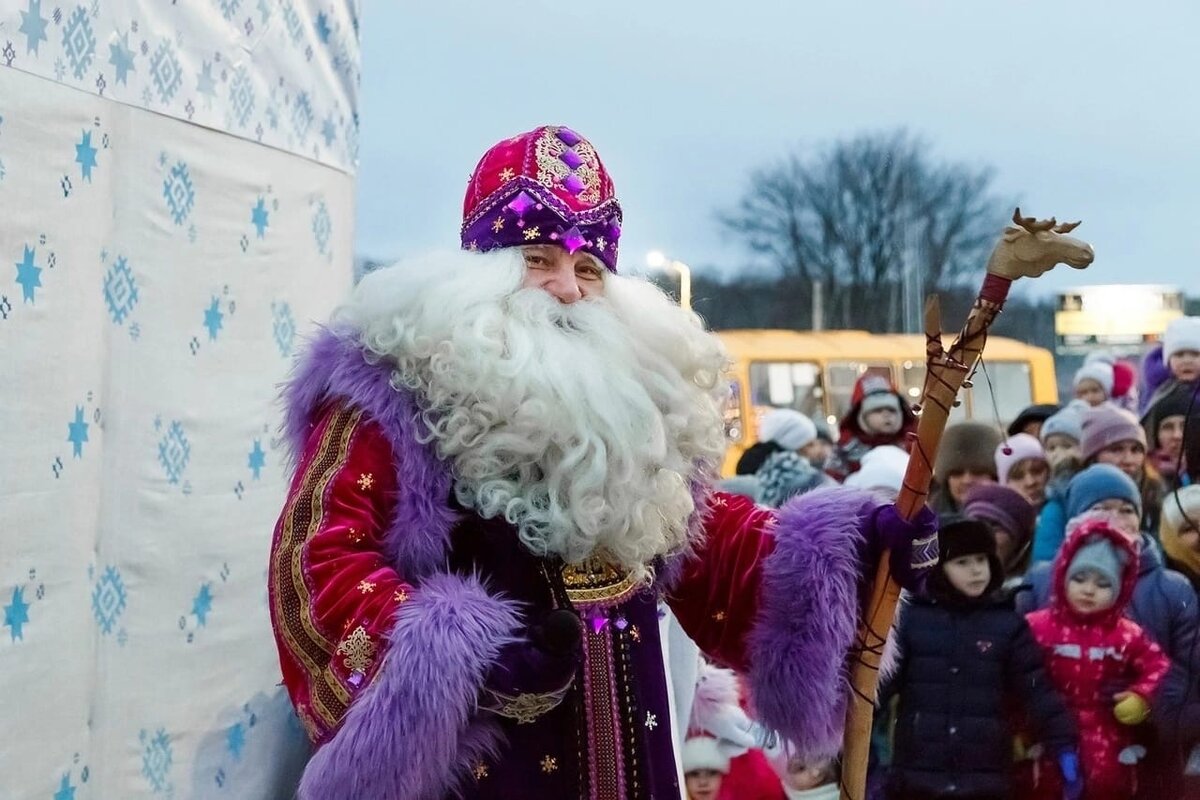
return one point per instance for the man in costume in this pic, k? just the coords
(503, 463)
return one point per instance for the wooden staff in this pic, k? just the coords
(1027, 248)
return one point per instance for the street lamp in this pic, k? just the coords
(656, 259)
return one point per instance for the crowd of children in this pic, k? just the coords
(1055, 651)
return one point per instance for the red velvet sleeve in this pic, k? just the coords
(333, 593)
(716, 598)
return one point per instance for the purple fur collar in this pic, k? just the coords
(334, 367)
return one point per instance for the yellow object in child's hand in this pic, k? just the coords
(1131, 709)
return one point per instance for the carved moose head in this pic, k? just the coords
(1031, 247)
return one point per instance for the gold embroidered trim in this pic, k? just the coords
(552, 170)
(525, 708)
(594, 580)
(358, 649)
(293, 607)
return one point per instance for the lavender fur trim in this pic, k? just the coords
(413, 733)
(808, 618)
(334, 367)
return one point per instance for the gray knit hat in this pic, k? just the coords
(1097, 556)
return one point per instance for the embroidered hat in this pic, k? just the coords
(546, 186)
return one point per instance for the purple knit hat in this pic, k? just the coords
(1005, 507)
(1104, 426)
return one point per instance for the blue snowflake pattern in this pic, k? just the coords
(257, 459)
(108, 599)
(323, 30)
(202, 604)
(284, 327)
(206, 84)
(156, 760)
(16, 614)
(29, 275)
(259, 217)
(85, 156)
(294, 26)
(174, 452)
(241, 96)
(166, 72)
(77, 433)
(65, 790)
(179, 192)
(213, 319)
(235, 740)
(120, 290)
(328, 131)
(121, 56)
(228, 7)
(33, 25)
(302, 115)
(79, 42)
(322, 228)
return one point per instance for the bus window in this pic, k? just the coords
(732, 412)
(786, 384)
(912, 383)
(1011, 383)
(842, 375)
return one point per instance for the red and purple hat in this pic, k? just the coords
(547, 186)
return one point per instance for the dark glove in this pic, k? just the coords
(913, 544)
(1068, 766)
(531, 674)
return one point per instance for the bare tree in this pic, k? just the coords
(859, 215)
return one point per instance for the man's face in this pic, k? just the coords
(566, 277)
(1185, 365)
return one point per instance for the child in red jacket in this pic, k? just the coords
(1090, 646)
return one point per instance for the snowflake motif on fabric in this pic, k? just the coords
(65, 790)
(165, 71)
(179, 193)
(108, 599)
(322, 228)
(174, 451)
(33, 25)
(120, 290)
(283, 327)
(85, 156)
(79, 42)
(291, 19)
(358, 649)
(257, 459)
(235, 740)
(227, 7)
(77, 433)
(29, 275)
(302, 115)
(260, 217)
(16, 614)
(241, 96)
(156, 760)
(328, 131)
(213, 319)
(120, 56)
(202, 604)
(206, 84)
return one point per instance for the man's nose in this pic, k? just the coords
(565, 287)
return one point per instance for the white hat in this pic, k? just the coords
(882, 468)
(1015, 449)
(1182, 333)
(702, 752)
(789, 429)
(1098, 368)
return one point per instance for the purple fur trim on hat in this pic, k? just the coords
(414, 733)
(808, 618)
(335, 366)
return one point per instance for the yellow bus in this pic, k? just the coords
(814, 373)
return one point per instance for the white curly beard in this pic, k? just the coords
(587, 426)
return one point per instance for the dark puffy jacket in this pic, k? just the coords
(1164, 604)
(961, 667)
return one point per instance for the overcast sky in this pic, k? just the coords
(1085, 110)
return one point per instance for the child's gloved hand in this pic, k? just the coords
(1131, 708)
(1068, 766)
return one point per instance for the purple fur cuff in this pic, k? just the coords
(807, 619)
(414, 732)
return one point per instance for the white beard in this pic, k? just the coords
(587, 426)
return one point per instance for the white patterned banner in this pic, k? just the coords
(281, 72)
(155, 278)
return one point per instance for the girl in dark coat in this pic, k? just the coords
(965, 659)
